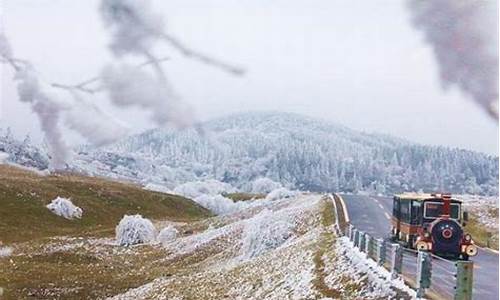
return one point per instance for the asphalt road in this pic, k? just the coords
(372, 215)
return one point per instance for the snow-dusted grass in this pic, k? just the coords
(65, 208)
(484, 208)
(366, 278)
(135, 230)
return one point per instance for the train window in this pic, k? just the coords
(405, 211)
(395, 207)
(435, 209)
(416, 213)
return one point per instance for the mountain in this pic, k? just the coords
(298, 151)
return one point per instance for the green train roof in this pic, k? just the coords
(422, 197)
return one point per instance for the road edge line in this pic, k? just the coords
(488, 249)
(344, 209)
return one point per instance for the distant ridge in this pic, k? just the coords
(298, 151)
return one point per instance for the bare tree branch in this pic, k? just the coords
(83, 86)
(174, 42)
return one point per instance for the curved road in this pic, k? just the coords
(372, 215)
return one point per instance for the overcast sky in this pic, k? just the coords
(358, 63)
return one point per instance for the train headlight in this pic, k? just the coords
(467, 237)
(471, 250)
(421, 245)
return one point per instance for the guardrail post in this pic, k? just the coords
(381, 252)
(362, 241)
(396, 260)
(464, 277)
(424, 272)
(368, 244)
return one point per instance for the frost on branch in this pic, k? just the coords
(264, 185)
(133, 24)
(65, 208)
(281, 193)
(264, 232)
(134, 230)
(167, 234)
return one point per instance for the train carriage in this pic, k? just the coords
(432, 222)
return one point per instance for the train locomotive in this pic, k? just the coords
(432, 222)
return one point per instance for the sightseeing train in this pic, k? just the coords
(432, 222)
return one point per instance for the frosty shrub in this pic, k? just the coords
(65, 208)
(209, 187)
(219, 204)
(3, 157)
(167, 234)
(5, 251)
(281, 193)
(264, 185)
(264, 232)
(134, 230)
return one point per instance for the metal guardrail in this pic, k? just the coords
(415, 267)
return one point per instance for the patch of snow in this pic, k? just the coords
(167, 234)
(281, 193)
(135, 230)
(65, 208)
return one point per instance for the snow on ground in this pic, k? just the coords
(350, 260)
(270, 253)
(65, 208)
(280, 249)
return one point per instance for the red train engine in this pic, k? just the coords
(432, 222)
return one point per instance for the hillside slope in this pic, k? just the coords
(298, 151)
(24, 194)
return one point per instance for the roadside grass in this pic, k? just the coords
(24, 195)
(244, 196)
(482, 235)
(79, 273)
(324, 245)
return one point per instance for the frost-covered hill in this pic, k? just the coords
(298, 151)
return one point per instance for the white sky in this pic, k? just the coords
(358, 63)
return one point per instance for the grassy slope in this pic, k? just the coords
(23, 196)
(481, 234)
(244, 196)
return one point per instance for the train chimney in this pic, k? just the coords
(446, 204)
